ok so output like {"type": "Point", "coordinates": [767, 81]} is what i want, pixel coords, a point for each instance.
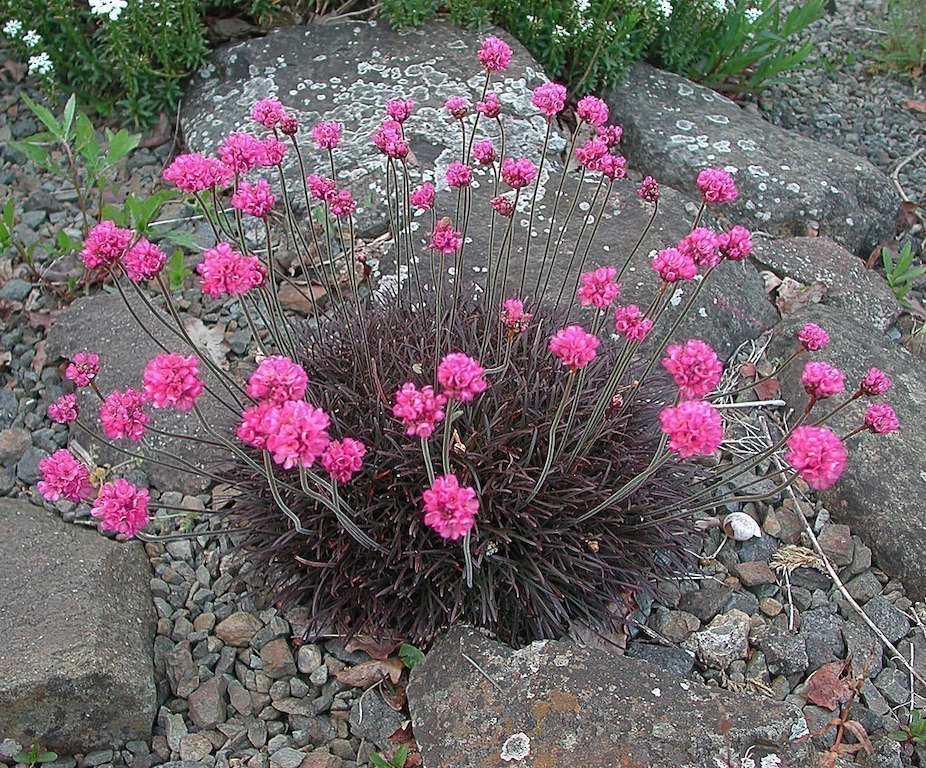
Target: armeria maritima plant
{"type": "Point", "coordinates": [522, 454]}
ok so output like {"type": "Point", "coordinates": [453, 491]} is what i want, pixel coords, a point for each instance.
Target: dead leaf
{"type": "Point", "coordinates": [770, 281]}
{"type": "Point", "coordinates": [160, 134]}
{"type": "Point", "coordinates": [768, 389]}
{"type": "Point", "coordinates": [209, 339]}
{"type": "Point", "coordinates": [43, 319]}
{"type": "Point", "coordinates": [377, 649]}
{"type": "Point", "coordinates": [370, 672]}
{"type": "Point", "coordinates": [747, 369]}
{"type": "Point", "coordinates": [40, 359]}
{"type": "Point", "coordinates": [395, 696]}
{"type": "Point", "coordinates": [793, 295]}
{"type": "Point", "coordinates": [827, 687]}
{"type": "Point", "coordinates": [858, 730]}
{"type": "Point", "coordinates": [918, 106]}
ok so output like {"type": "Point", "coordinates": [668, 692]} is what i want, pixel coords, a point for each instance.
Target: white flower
{"type": "Point", "coordinates": [12, 28]}
{"type": "Point", "coordinates": [582, 6]}
{"type": "Point", "coordinates": [560, 32]}
{"type": "Point", "coordinates": [752, 15]}
{"type": "Point", "coordinates": [663, 8]}
{"type": "Point", "coordinates": [40, 65]}
{"type": "Point", "coordinates": [720, 5]}
{"type": "Point", "coordinates": [32, 38]}
{"type": "Point", "coordinates": [111, 8]}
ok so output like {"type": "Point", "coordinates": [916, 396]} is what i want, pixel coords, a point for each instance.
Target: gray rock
{"type": "Point", "coordinates": [195, 746]}
{"type": "Point", "coordinates": [27, 468]}
{"type": "Point", "coordinates": [861, 292]}
{"type": "Point", "coordinates": [677, 661]}
{"type": "Point", "coordinates": [207, 703]}
{"type": "Point", "coordinates": [785, 652]}
{"type": "Point", "coordinates": [836, 543]}
{"type": "Point", "coordinates": [863, 587]}
{"type": "Point", "coordinates": [13, 442]}
{"type": "Point", "coordinates": [865, 649]}
{"type": "Point", "coordinates": [706, 602]}
{"type": "Point", "coordinates": [309, 658]}
{"type": "Point", "coordinates": [15, 289]}
{"type": "Point", "coordinates": [287, 758]}
{"type": "Point", "coordinates": [93, 759]}
{"type": "Point", "coordinates": [894, 686]}
{"type": "Point", "coordinates": [879, 496]}
{"type": "Point", "coordinates": [892, 622]}
{"type": "Point", "coordinates": [181, 671]}
{"type": "Point", "coordinates": [238, 629]}
{"type": "Point", "coordinates": [723, 641]}
{"type": "Point", "coordinates": [76, 634]}
{"type": "Point", "coordinates": [822, 633]}
{"type": "Point", "coordinates": [788, 184]}
{"type": "Point", "coordinates": [102, 324]}
{"type": "Point", "coordinates": [580, 706]}
{"type": "Point", "coordinates": [675, 626]}
{"type": "Point", "coordinates": [372, 718]}
{"type": "Point", "coordinates": [278, 659]}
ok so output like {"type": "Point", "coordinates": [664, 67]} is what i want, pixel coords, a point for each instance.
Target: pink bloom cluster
{"type": "Point", "coordinates": [490, 106]}
{"type": "Point", "coordinates": [673, 266]}
{"type": "Point", "coordinates": [296, 433]}
{"type": "Point", "coordinates": [63, 476]}
{"type": "Point", "coordinates": [599, 287]}
{"type": "Point", "coordinates": [881, 419]}
{"type": "Point", "coordinates": [83, 368]}
{"type": "Point", "coordinates": [503, 205]}
{"type": "Point", "coordinates": [194, 173]}
{"type": "Point", "coordinates": [592, 110]}
{"type": "Point", "coordinates": [420, 410]}
{"type": "Point", "coordinates": [735, 244]}
{"type": "Point", "coordinates": [812, 337]}
{"type": "Point", "coordinates": [241, 152]}
{"type": "Point", "coordinates": [278, 379]}
{"type": "Point", "coordinates": [717, 186]}
{"type": "Point", "coordinates": [694, 368]}
{"type": "Point", "coordinates": [649, 190]}
{"type": "Point", "coordinates": [821, 380]}
{"type": "Point", "coordinates": [518, 173]}
{"type": "Point", "coordinates": [172, 380]}
{"type": "Point", "coordinates": [484, 152]}
{"type": "Point", "coordinates": [390, 140]}
{"type": "Point", "coordinates": [320, 187]}
{"type": "Point", "coordinates": [611, 134]}
{"type": "Point", "coordinates": [251, 431]}
{"type": "Point", "coordinates": [700, 245]}
{"type": "Point", "coordinates": [694, 428]}
{"type": "Point", "coordinates": [495, 54]}
{"type": "Point", "coordinates": [449, 508]}
{"type": "Point", "coordinates": [224, 270]}
{"type": "Point", "coordinates": [121, 507]}
{"type": "Point", "coordinates": [341, 203]}
{"type": "Point", "coordinates": [422, 197]}
{"type": "Point", "coordinates": [273, 152]}
{"type": "Point", "coordinates": [445, 238]}
{"type": "Point", "coordinates": [549, 98]}
{"type": "Point", "coordinates": [64, 409]}
{"type": "Point", "coordinates": [817, 454]}
{"type": "Point", "coordinates": [630, 322]}
{"type": "Point", "coordinates": [343, 459]}
{"type": "Point", "coordinates": [400, 109]}
{"type": "Point", "coordinates": [268, 112]}
{"type": "Point", "coordinates": [457, 106]}
{"type": "Point", "coordinates": [254, 199]}
{"type": "Point", "coordinates": [574, 347]}
{"type": "Point", "coordinates": [458, 174]}
{"type": "Point", "coordinates": [461, 377]}
{"type": "Point", "coordinates": [143, 261]}
{"type": "Point", "coordinates": [327, 135]}
{"type": "Point", "coordinates": [122, 416]}
{"type": "Point", "coordinates": [105, 244]}
{"type": "Point", "coordinates": [513, 316]}
{"type": "Point", "coordinates": [590, 153]}
{"type": "Point", "coordinates": [875, 382]}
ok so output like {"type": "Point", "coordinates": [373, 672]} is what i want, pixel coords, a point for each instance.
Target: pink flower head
{"type": "Point", "coordinates": [400, 109]}
{"type": "Point", "coordinates": [631, 323]}
{"type": "Point", "coordinates": [445, 238]}
{"type": "Point", "coordinates": [461, 377]}
{"type": "Point", "coordinates": [224, 270]}
{"type": "Point", "coordinates": [121, 507]}
{"type": "Point", "coordinates": [490, 106]}
{"type": "Point", "coordinates": [143, 261]}
{"type": "Point", "coordinates": [673, 266]}
{"type": "Point", "coordinates": [574, 347]}
{"type": "Point", "coordinates": [422, 197]}
{"type": "Point", "coordinates": [817, 454]}
{"type": "Point", "coordinates": [256, 423]}
{"type": "Point", "coordinates": [272, 152]}
{"type": "Point", "coordinates": [299, 434]}
{"type": "Point", "coordinates": [343, 459]}
{"type": "Point", "coordinates": [289, 126]}
{"type": "Point", "coordinates": [63, 476]}
{"type": "Point", "coordinates": [590, 153]}
{"type": "Point", "coordinates": [278, 379]}
{"type": "Point", "coordinates": [253, 199]}
{"type": "Point", "coordinates": [458, 174]}
{"type": "Point", "coordinates": [717, 186]}
{"type": "Point", "coordinates": [389, 139]}
{"type": "Point", "coordinates": [64, 409]}
{"type": "Point", "coordinates": [419, 409]}
{"type": "Point", "coordinates": [513, 316]}
{"type": "Point", "coordinates": [612, 166]}
{"type": "Point", "coordinates": [813, 337]}
{"type": "Point", "coordinates": [195, 173]}
{"type": "Point", "coordinates": [484, 152]}
{"type": "Point", "coordinates": [83, 368]}
{"type": "Point", "coordinates": [267, 112]}
{"type": "Point", "coordinates": [105, 245]}
{"type": "Point", "coordinates": [122, 416]}
{"type": "Point", "coordinates": [342, 204]}
{"type": "Point", "coordinates": [649, 189]}
{"type": "Point", "coordinates": [503, 205]}
{"type": "Point", "coordinates": [457, 106]}
{"type": "Point", "coordinates": [700, 245]}
{"type": "Point", "coordinates": [821, 380]}
{"type": "Point", "coordinates": [549, 98]}
{"type": "Point", "coordinates": [694, 428]}
{"type": "Point", "coordinates": [172, 380]}
{"type": "Point", "coordinates": [611, 134]}
{"type": "Point", "coordinates": [449, 508]}
{"type": "Point", "coordinates": [320, 187]}
{"type": "Point", "coordinates": [736, 244]}
{"type": "Point", "coordinates": [592, 110]}
{"type": "Point", "coordinates": [694, 367]}
{"type": "Point", "coordinates": [327, 135]}
{"type": "Point", "coordinates": [875, 382]}
{"type": "Point", "coordinates": [881, 419]}
{"type": "Point", "coordinates": [241, 152]}
{"type": "Point", "coordinates": [518, 173]}
{"type": "Point", "coordinates": [599, 288]}
{"type": "Point", "coordinates": [495, 54]}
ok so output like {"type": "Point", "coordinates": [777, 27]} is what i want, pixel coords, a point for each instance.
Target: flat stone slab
{"type": "Point", "coordinates": [554, 703]}
{"type": "Point", "coordinates": [849, 285]}
{"type": "Point", "coordinates": [346, 73]}
{"type": "Point", "coordinates": [880, 494]}
{"type": "Point", "coordinates": [674, 128]}
{"type": "Point", "coordinates": [102, 324]}
{"type": "Point", "coordinates": [76, 633]}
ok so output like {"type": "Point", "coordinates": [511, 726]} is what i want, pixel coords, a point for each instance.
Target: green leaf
{"type": "Point", "coordinates": [121, 143]}
{"type": "Point", "coordinates": [35, 153]}
{"type": "Point", "coordinates": [67, 122]}
{"type": "Point", "coordinates": [177, 272]}
{"type": "Point", "coordinates": [899, 735]}
{"type": "Point", "coordinates": [398, 760]}
{"type": "Point", "coordinates": [115, 214]}
{"type": "Point", "coordinates": [410, 655]}
{"type": "Point", "coordinates": [47, 757]}
{"type": "Point", "coordinates": [181, 238]}
{"type": "Point", "coordinates": [45, 115]}
{"type": "Point", "coordinates": [83, 134]}
{"type": "Point", "coordinates": [378, 762]}
{"type": "Point", "coordinates": [66, 243]}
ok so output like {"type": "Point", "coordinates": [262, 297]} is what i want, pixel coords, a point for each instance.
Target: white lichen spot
{"type": "Point", "coordinates": [770, 761]}
{"type": "Point", "coordinates": [516, 747]}
{"type": "Point", "coordinates": [850, 221]}
{"type": "Point", "coordinates": [684, 125]}
{"type": "Point", "coordinates": [684, 686]}
{"type": "Point", "coordinates": [747, 145]}
{"type": "Point", "coordinates": [676, 297]}
{"type": "Point", "coordinates": [722, 146]}
{"type": "Point", "coordinates": [702, 312]}
{"type": "Point", "coordinates": [793, 187]}
{"type": "Point", "coordinates": [561, 660]}
{"type": "Point", "coordinates": [758, 170]}
{"type": "Point", "coordinates": [718, 119]}
{"type": "Point", "coordinates": [685, 90]}
{"type": "Point", "coordinates": [762, 186]}
{"type": "Point", "coordinates": [656, 692]}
